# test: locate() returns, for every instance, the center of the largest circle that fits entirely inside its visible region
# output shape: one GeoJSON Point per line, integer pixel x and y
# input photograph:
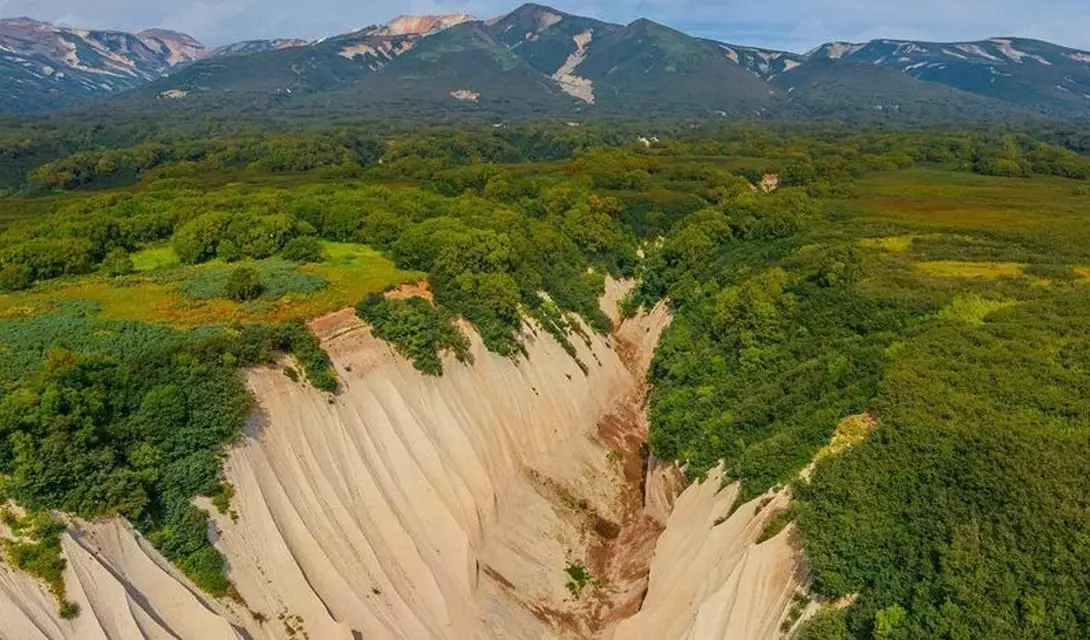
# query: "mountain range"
{"type": "Point", "coordinates": [540, 60]}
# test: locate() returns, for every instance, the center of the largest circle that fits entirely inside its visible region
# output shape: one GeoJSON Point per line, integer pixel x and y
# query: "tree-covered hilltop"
{"type": "Point", "coordinates": [931, 281]}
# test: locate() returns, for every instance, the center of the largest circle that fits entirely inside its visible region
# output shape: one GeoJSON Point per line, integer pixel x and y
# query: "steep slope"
{"type": "Point", "coordinates": [553, 42]}
{"type": "Point", "coordinates": [441, 508]}
{"type": "Point", "coordinates": [712, 576]}
{"type": "Point", "coordinates": [763, 63]}
{"type": "Point", "coordinates": [657, 69]}
{"type": "Point", "coordinates": [124, 589]}
{"type": "Point", "coordinates": [420, 25]}
{"type": "Point", "coordinates": [254, 46]}
{"type": "Point", "coordinates": [46, 66]}
{"type": "Point", "coordinates": [503, 500]}
{"type": "Point", "coordinates": [849, 89]}
{"type": "Point", "coordinates": [462, 66]}
{"type": "Point", "coordinates": [1023, 72]}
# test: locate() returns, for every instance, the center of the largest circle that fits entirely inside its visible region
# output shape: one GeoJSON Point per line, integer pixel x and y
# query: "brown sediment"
{"type": "Point", "coordinates": [421, 289]}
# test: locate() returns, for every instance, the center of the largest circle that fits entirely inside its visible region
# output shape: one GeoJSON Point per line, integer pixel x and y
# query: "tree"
{"type": "Point", "coordinates": [303, 249]}
{"type": "Point", "coordinates": [827, 624]}
{"type": "Point", "coordinates": [118, 263]}
{"type": "Point", "coordinates": [887, 620]}
{"type": "Point", "coordinates": [752, 312]}
{"type": "Point", "coordinates": [15, 277]}
{"type": "Point", "coordinates": [244, 284]}
{"type": "Point", "coordinates": [196, 241]}
{"type": "Point", "coordinates": [228, 251]}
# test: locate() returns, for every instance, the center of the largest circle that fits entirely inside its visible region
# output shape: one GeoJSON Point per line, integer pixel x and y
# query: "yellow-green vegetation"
{"type": "Point", "coordinates": [352, 271]}
{"type": "Point", "coordinates": [986, 270]}
{"type": "Point", "coordinates": [892, 244]}
{"type": "Point", "coordinates": [972, 308]}
{"type": "Point", "coordinates": [154, 258]}
{"type": "Point", "coordinates": [195, 296]}
{"type": "Point", "coordinates": [850, 432]}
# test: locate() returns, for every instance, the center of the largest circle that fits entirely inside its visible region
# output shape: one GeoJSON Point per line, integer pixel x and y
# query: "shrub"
{"type": "Point", "coordinates": [15, 277]}
{"type": "Point", "coordinates": [278, 277]}
{"type": "Point", "coordinates": [418, 329]}
{"type": "Point", "coordinates": [244, 284]}
{"type": "Point", "coordinates": [228, 251]}
{"type": "Point", "coordinates": [117, 263]}
{"type": "Point", "coordinates": [295, 338]}
{"type": "Point", "coordinates": [827, 624]}
{"type": "Point", "coordinates": [1054, 272]}
{"type": "Point", "coordinates": [303, 249]}
{"type": "Point", "coordinates": [38, 552]}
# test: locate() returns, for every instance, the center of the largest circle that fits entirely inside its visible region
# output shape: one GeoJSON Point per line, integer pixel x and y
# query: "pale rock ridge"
{"type": "Point", "coordinates": [177, 48]}
{"type": "Point", "coordinates": [573, 85]}
{"type": "Point", "coordinates": [976, 50]}
{"type": "Point", "coordinates": [838, 50]}
{"type": "Point", "coordinates": [124, 589]}
{"type": "Point", "coordinates": [422, 25]}
{"type": "Point", "coordinates": [465, 95]}
{"type": "Point", "coordinates": [1007, 48]}
{"type": "Point", "coordinates": [377, 51]}
{"type": "Point", "coordinates": [418, 507]}
{"type": "Point", "coordinates": [710, 578]}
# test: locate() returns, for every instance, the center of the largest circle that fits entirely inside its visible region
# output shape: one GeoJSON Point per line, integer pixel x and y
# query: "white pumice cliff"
{"type": "Point", "coordinates": [415, 507]}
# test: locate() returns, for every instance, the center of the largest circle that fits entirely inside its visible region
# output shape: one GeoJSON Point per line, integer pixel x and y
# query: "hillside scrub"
{"type": "Point", "coordinates": [419, 330]}
{"type": "Point", "coordinates": [139, 433]}
{"type": "Point", "coordinates": [35, 547]}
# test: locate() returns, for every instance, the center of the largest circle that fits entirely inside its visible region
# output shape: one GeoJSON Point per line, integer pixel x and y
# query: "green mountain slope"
{"type": "Point", "coordinates": [546, 38]}
{"type": "Point", "coordinates": [657, 69]}
{"type": "Point", "coordinates": [1030, 73]}
{"type": "Point", "coordinates": [461, 68]}
{"type": "Point", "coordinates": [850, 90]}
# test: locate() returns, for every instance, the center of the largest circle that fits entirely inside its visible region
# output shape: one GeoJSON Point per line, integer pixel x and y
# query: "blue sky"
{"type": "Point", "coordinates": [789, 24]}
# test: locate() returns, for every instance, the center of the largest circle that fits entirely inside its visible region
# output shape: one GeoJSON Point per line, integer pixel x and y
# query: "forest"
{"type": "Point", "coordinates": [934, 280]}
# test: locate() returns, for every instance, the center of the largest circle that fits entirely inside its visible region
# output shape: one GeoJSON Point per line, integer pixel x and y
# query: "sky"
{"type": "Point", "coordinates": [796, 25]}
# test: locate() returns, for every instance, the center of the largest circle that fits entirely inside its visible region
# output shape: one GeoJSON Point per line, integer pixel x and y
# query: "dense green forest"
{"type": "Point", "coordinates": [935, 280]}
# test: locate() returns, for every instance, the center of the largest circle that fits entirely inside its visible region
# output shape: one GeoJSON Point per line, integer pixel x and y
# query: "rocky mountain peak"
{"type": "Point", "coordinates": [421, 25]}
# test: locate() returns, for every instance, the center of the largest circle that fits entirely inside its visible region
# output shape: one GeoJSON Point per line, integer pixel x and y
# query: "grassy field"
{"type": "Point", "coordinates": [154, 294]}
{"type": "Point", "coordinates": [154, 258]}
{"type": "Point", "coordinates": [929, 199]}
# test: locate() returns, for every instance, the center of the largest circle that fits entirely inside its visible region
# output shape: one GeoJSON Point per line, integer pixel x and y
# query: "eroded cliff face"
{"type": "Point", "coordinates": [409, 506]}
{"type": "Point", "coordinates": [124, 588]}
{"type": "Point", "coordinates": [418, 507]}
{"type": "Point", "coordinates": [711, 578]}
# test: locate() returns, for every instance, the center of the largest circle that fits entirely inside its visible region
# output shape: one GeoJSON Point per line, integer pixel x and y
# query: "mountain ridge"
{"type": "Point", "coordinates": [582, 63]}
